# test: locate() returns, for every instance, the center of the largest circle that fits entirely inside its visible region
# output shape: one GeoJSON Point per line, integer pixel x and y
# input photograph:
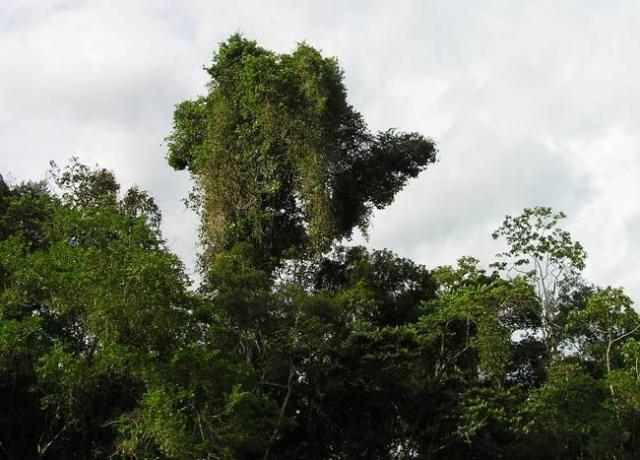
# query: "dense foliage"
{"type": "Point", "coordinates": [295, 346]}
{"type": "Point", "coordinates": [284, 163]}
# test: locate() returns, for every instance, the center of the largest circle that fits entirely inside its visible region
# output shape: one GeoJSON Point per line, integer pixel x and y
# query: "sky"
{"type": "Point", "coordinates": [530, 103]}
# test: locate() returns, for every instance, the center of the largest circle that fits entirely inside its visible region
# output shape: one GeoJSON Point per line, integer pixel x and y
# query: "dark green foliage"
{"type": "Point", "coordinates": [98, 336]}
{"type": "Point", "coordinates": [294, 347]}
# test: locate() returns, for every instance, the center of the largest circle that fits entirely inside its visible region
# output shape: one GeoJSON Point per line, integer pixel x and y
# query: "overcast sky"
{"type": "Point", "coordinates": [531, 103]}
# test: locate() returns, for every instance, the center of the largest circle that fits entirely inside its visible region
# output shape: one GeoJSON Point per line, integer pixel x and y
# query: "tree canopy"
{"type": "Point", "coordinates": [281, 158]}
{"type": "Point", "coordinates": [296, 345]}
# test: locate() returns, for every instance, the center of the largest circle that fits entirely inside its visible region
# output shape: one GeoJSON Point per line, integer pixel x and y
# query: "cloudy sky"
{"type": "Point", "coordinates": [531, 103]}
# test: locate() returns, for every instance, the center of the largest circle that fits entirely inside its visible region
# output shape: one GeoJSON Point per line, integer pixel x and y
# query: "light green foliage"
{"type": "Point", "coordinates": [536, 242]}
{"type": "Point", "coordinates": [281, 158]}
{"type": "Point", "coordinates": [546, 255]}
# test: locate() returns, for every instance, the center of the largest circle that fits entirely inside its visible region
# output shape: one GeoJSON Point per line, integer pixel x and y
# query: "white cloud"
{"type": "Point", "coordinates": [531, 102]}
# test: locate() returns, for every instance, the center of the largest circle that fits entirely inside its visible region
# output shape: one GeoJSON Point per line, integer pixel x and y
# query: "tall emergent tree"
{"type": "Point", "coordinates": [284, 168]}
{"type": "Point", "coordinates": [282, 160]}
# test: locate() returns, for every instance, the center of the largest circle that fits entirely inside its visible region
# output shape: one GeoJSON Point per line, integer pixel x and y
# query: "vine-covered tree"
{"type": "Point", "coordinates": [281, 160]}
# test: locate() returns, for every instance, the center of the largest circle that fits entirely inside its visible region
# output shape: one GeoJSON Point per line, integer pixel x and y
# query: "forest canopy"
{"type": "Point", "coordinates": [296, 345]}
